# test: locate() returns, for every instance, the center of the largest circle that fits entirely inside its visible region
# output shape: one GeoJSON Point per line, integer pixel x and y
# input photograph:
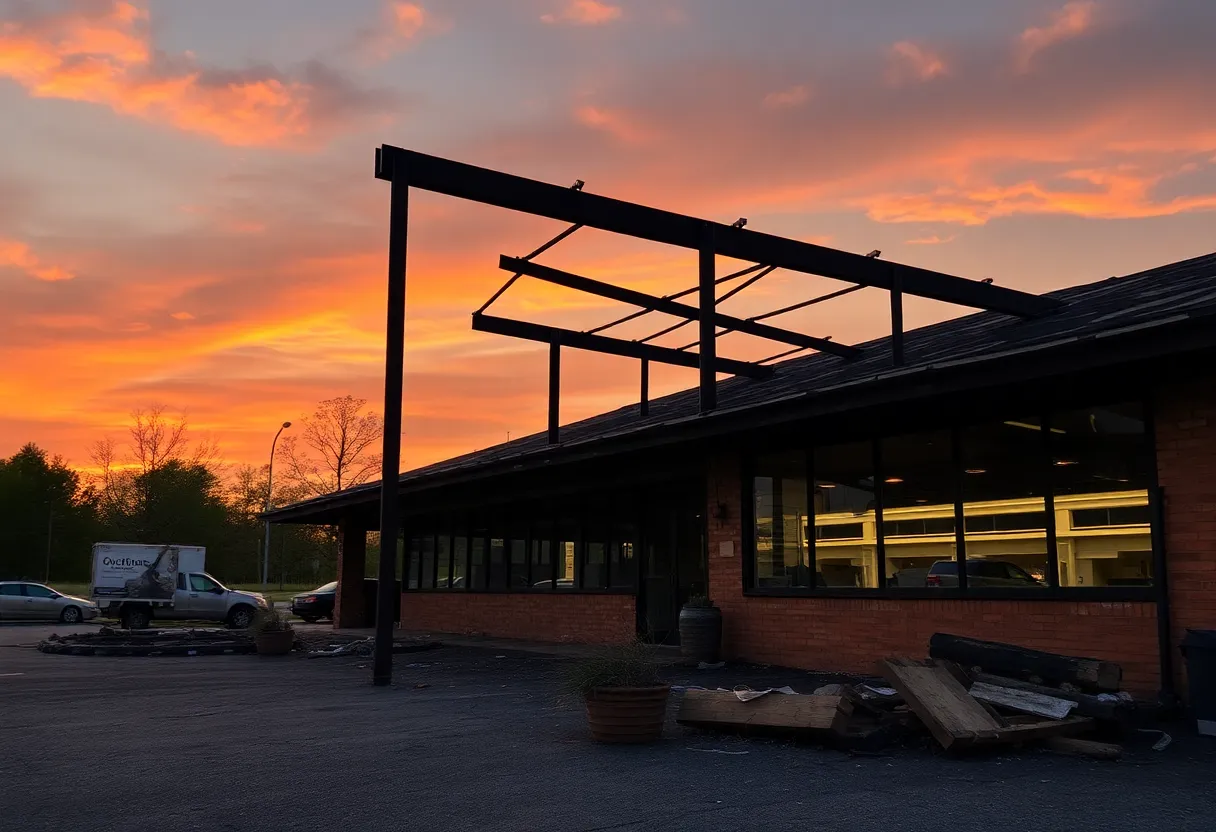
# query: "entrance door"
{"type": "Point", "coordinates": [673, 567]}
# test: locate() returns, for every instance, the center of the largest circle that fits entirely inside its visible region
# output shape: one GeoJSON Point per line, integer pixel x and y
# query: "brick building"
{"type": "Point", "coordinates": [1048, 481]}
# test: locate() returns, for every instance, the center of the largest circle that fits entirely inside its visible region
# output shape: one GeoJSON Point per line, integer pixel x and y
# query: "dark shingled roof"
{"type": "Point", "coordinates": [1179, 292]}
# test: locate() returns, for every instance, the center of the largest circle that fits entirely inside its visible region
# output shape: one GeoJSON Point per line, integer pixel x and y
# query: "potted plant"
{"type": "Point", "coordinates": [272, 633]}
{"type": "Point", "coordinates": [626, 701]}
{"type": "Point", "coordinates": [700, 630]}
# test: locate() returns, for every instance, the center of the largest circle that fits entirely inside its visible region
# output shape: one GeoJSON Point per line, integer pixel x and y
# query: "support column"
{"type": "Point", "coordinates": [390, 466]}
{"type": "Point", "coordinates": [555, 390]}
{"type": "Point", "coordinates": [897, 321]}
{"type": "Point", "coordinates": [708, 328]}
{"type": "Point", "coordinates": [350, 609]}
{"type": "Point", "coordinates": [644, 407]}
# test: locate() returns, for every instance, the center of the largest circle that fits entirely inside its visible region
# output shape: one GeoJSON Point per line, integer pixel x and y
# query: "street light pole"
{"type": "Point", "coordinates": [269, 492]}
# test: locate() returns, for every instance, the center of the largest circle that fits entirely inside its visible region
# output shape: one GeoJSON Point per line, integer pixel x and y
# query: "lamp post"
{"type": "Point", "coordinates": [269, 491]}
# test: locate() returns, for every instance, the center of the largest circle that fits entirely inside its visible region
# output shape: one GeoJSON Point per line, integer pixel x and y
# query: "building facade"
{"type": "Point", "coordinates": [1052, 484]}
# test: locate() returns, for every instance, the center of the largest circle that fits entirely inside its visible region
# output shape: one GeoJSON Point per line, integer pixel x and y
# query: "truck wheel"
{"type": "Point", "coordinates": [241, 618]}
{"type": "Point", "coordinates": [135, 618]}
{"type": "Point", "coordinates": [70, 615]}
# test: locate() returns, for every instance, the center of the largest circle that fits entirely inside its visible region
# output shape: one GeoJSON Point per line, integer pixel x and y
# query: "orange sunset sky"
{"type": "Point", "coordinates": [188, 214]}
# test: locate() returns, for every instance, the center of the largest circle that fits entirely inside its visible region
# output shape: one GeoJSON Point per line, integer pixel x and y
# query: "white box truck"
{"type": "Point", "coordinates": [137, 582]}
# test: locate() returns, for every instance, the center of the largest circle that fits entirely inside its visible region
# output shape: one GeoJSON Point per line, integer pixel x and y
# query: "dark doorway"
{"type": "Point", "coordinates": [673, 567]}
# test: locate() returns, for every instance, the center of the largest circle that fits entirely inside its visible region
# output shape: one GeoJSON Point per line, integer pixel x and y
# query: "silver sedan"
{"type": "Point", "coordinates": [24, 601]}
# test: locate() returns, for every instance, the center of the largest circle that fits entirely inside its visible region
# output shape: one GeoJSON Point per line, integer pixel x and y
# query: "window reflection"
{"type": "Point", "coordinates": [428, 562]}
{"type": "Point", "coordinates": [1101, 471]}
{"type": "Point", "coordinates": [918, 494]}
{"type": "Point", "coordinates": [844, 503]}
{"type": "Point", "coordinates": [1004, 479]}
{"type": "Point", "coordinates": [498, 563]}
{"type": "Point", "coordinates": [443, 547]}
{"type": "Point", "coordinates": [460, 559]}
{"type": "Point", "coordinates": [780, 511]}
{"type": "Point", "coordinates": [477, 560]}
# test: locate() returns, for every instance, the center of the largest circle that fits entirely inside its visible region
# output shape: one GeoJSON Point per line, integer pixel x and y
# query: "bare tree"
{"type": "Point", "coordinates": [339, 450]}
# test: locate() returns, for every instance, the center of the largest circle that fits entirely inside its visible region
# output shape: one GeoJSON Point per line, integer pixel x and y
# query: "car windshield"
{"type": "Point", "coordinates": [944, 567]}
{"type": "Point", "coordinates": [329, 587]}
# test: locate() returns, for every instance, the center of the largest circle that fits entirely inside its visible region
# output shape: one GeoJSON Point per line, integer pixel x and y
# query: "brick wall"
{"type": "Point", "coordinates": [587, 619]}
{"type": "Point", "coordinates": [846, 634]}
{"type": "Point", "coordinates": [1186, 470]}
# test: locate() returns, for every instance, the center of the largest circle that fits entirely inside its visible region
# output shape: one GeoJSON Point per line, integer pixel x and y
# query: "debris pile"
{"type": "Point", "coordinates": [177, 641]}
{"type": "Point", "coordinates": [968, 694]}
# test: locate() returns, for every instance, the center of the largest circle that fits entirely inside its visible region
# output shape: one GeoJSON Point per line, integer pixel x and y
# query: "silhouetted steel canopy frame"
{"type": "Point", "coordinates": [406, 169]}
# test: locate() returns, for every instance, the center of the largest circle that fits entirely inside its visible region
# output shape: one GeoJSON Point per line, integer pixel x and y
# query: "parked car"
{"type": "Point", "coordinates": [25, 601]}
{"type": "Point", "coordinates": [981, 572]}
{"type": "Point", "coordinates": [315, 605]}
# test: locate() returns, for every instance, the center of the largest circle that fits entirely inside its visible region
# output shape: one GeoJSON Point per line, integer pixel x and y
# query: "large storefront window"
{"type": "Point", "coordinates": [1004, 480]}
{"type": "Point", "coordinates": [782, 556]}
{"type": "Point", "coordinates": [844, 510]}
{"type": "Point", "coordinates": [918, 496]}
{"type": "Point", "coordinates": [1101, 471]}
{"type": "Point", "coordinates": [460, 560]}
{"type": "Point", "coordinates": [1025, 503]}
{"type": "Point", "coordinates": [427, 580]}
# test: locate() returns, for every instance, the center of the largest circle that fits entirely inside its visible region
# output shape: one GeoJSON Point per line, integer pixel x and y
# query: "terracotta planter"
{"type": "Point", "coordinates": [275, 643]}
{"type": "Point", "coordinates": [627, 715]}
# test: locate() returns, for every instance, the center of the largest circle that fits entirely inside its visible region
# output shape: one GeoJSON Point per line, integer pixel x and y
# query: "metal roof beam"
{"type": "Point", "coordinates": [611, 346]}
{"type": "Point", "coordinates": [517, 193]}
{"type": "Point", "coordinates": [671, 307]}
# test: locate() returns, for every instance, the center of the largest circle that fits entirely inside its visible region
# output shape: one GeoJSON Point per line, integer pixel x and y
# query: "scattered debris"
{"type": "Point", "coordinates": [1161, 744]}
{"type": "Point", "coordinates": [1117, 708]}
{"type": "Point", "coordinates": [708, 666]}
{"type": "Point", "coordinates": [178, 641]}
{"type": "Point", "coordinates": [1022, 700]}
{"type": "Point", "coordinates": [835, 689]}
{"type": "Point", "coordinates": [1084, 748]}
{"type": "Point", "coordinates": [1010, 660]}
{"type": "Point", "coordinates": [789, 713]}
{"type": "Point", "coordinates": [957, 720]}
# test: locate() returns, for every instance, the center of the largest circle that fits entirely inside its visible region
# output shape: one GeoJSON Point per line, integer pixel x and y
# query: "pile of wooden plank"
{"type": "Point", "coordinates": [968, 694]}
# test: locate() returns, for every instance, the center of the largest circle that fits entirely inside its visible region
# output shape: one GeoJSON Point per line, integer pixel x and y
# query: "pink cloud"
{"type": "Point", "coordinates": [1072, 20]}
{"type": "Point", "coordinates": [402, 25]}
{"type": "Point", "coordinates": [102, 53]}
{"type": "Point", "coordinates": [912, 62]}
{"type": "Point", "coordinates": [619, 124]}
{"type": "Point", "coordinates": [584, 13]}
{"type": "Point", "coordinates": [794, 96]}
{"type": "Point", "coordinates": [931, 240]}
{"type": "Point", "coordinates": [17, 255]}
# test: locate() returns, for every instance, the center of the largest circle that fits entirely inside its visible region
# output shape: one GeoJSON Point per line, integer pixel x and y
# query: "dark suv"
{"type": "Point", "coordinates": [981, 573]}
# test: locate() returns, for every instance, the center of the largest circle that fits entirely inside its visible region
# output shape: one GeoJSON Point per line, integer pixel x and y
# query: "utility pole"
{"type": "Point", "coordinates": [269, 492]}
{"type": "Point", "coordinates": [50, 535]}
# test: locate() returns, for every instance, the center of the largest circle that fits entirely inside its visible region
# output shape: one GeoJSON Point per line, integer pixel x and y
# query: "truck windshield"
{"type": "Point", "coordinates": [203, 582]}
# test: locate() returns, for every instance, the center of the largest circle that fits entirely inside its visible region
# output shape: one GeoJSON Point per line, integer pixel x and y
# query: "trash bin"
{"type": "Point", "coordinates": [1199, 649]}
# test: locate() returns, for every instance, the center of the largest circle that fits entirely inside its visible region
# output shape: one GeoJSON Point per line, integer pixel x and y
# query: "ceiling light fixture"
{"type": "Point", "coordinates": [1013, 423]}
{"type": "Point", "coordinates": [893, 480]}
{"type": "Point", "coordinates": [1062, 462]}
{"type": "Point", "coordinates": [976, 471]}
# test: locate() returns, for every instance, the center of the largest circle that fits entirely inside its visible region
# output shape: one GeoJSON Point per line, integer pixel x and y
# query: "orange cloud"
{"type": "Point", "coordinates": [931, 240]}
{"type": "Point", "coordinates": [103, 54]}
{"type": "Point", "coordinates": [584, 13]}
{"type": "Point", "coordinates": [1096, 194]}
{"type": "Point", "coordinates": [18, 255]}
{"type": "Point", "coordinates": [912, 62]}
{"type": "Point", "coordinates": [794, 96]}
{"type": "Point", "coordinates": [1069, 22]}
{"type": "Point", "coordinates": [402, 24]}
{"type": "Point", "coordinates": [617, 123]}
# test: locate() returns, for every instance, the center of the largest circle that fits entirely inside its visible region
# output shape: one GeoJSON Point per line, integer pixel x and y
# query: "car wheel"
{"type": "Point", "coordinates": [70, 615]}
{"type": "Point", "coordinates": [241, 618]}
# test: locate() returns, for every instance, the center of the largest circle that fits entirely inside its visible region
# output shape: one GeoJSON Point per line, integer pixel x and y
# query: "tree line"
{"type": "Point", "coordinates": [162, 485]}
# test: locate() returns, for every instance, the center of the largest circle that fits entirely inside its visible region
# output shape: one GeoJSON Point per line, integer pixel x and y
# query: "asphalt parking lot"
{"type": "Point", "coordinates": [472, 738]}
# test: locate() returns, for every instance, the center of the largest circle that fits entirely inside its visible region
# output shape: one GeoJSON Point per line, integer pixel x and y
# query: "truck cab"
{"type": "Point", "coordinates": [200, 597]}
